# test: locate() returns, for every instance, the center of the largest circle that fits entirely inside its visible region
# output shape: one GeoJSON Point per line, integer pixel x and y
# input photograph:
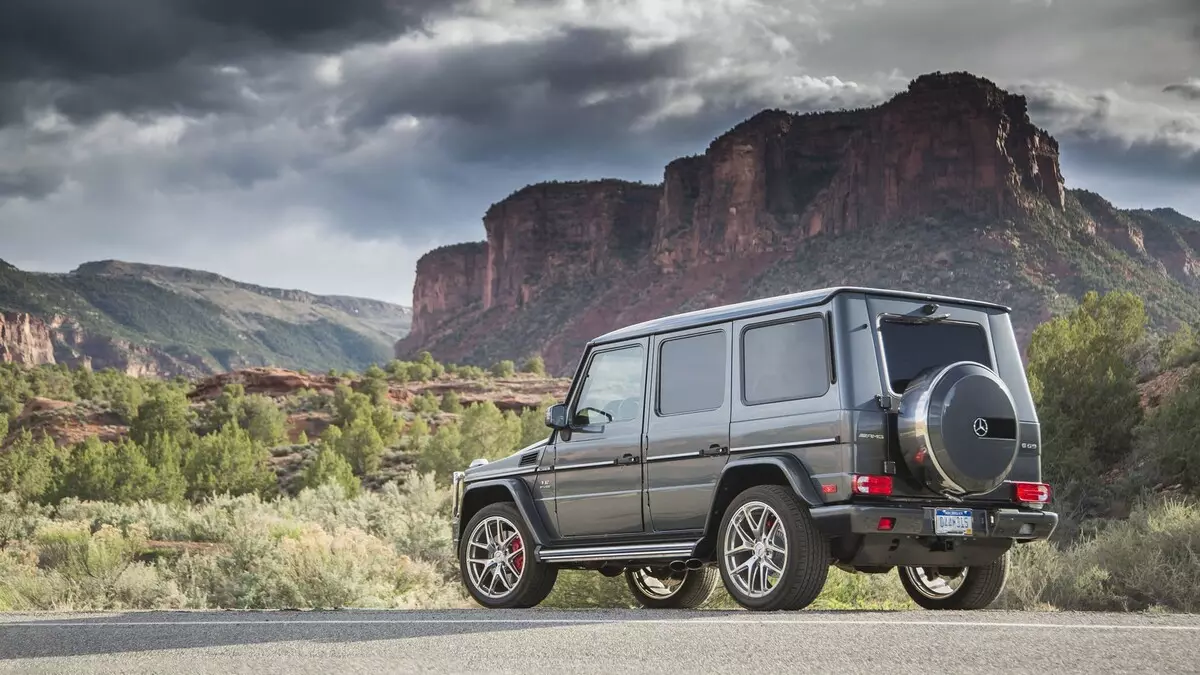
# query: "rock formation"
{"type": "Point", "coordinates": [24, 339]}
{"type": "Point", "coordinates": [569, 260]}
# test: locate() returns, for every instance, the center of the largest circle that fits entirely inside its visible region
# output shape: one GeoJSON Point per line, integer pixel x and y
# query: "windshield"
{"type": "Point", "coordinates": [910, 348]}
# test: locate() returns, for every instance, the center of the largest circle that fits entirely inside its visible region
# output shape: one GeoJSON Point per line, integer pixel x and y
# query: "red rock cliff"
{"type": "Point", "coordinates": [449, 280]}
{"type": "Point", "coordinates": [951, 145]}
{"type": "Point", "coordinates": [24, 339]}
{"type": "Point", "coordinates": [552, 232]}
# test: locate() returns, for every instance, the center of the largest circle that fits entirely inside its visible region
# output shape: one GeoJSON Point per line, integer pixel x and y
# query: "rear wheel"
{"type": "Point", "coordinates": [957, 587]}
{"type": "Point", "coordinates": [496, 564]}
{"type": "Point", "coordinates": [664, 588]}
{"type": "Point", "coordinates": [772, 556]}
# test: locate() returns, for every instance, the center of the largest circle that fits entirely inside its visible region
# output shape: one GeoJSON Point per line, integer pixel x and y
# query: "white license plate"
{"type": "Point", "coordinates": [953, 521]}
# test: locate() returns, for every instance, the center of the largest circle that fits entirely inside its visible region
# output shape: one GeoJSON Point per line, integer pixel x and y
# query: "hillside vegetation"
{"type": "Point", "coordinates": [277, 489]}
{"type": "Point", "coordinates": [193, 322]}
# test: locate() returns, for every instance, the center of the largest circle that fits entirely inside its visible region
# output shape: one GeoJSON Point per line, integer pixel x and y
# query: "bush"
{"type": "Point", "coordinates": [27, 468]}
{"type": "Point", "coordinates": [164, 412]}
{"type": "Point", "coordinates": [535, 365]}
{"type": "Point", "coordinates": [1168, 436]}
{"type": "Point", "coordinates": [504, 368]}
{"type": "Point", "coordinates": [330, 467]}
{"type": "Point", "coordinates": [451, 403]}
{"type": "Point", "coordinates": [228, 461]}
{"type": "Point", "coordinates": [1084, 382]}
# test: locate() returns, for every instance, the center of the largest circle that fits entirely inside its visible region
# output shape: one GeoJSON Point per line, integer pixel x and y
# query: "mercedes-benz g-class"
{"type": "Point", "coordinates": [760, 443]}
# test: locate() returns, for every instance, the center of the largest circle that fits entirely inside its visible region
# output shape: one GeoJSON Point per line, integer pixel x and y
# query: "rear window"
{"type": "Point", "coordinates": [911, 348]}
{"type": "Point", "coordinates": [785, 361]}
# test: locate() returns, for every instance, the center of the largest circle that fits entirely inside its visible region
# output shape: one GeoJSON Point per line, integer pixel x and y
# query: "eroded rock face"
{"type": "Point", "coordinates": [450, 280]}
{"type": "Point", "coordinates": [951, 146]}
{"type": "Point", "coordinates": [552, 232]}
{"type": "Point", "coordinates": [25, 339]}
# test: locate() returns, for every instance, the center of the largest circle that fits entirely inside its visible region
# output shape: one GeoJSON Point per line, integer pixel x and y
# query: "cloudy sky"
{"type": "Point", "coordinates": [325, 145]}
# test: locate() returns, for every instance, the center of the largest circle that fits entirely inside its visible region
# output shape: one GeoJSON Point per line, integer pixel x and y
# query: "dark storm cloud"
{"type": "Point", "coordinates": [149, 55]}
{"type": "Point", "coordinates": [29, 183]}
{"type": "Point", "coordinates": [1189, 90]}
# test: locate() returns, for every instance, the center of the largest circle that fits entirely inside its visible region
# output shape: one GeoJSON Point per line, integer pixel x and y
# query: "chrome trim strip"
{"type": "Point", "coordinates": [585, 465]}
{"type": "Point", "coordinates": [678, 455]}
{"type": "Point", "coordinates": [627, 552]}
{"type": "Point", "coordinates": [790, 444]}
{"type": "Point", "coordinates": [501, 474]}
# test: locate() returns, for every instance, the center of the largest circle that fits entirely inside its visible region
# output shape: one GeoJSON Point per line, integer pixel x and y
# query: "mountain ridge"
{"type": "Point", "coordinates": [160, 320]}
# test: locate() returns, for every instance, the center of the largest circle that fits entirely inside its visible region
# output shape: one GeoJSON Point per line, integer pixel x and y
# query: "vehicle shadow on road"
{"type": "Point", "coordinates": [48, 636]}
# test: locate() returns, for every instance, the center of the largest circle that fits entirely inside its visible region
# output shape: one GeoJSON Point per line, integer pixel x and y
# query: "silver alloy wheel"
{"type": "Point", "coordinates": [930, 583]}
{"type": "Point", "coordinates": [755, 552]}
{"type": "Point", "coordinates": [495, 557]}
{"type": "Point", "coordinates": [659, 588]}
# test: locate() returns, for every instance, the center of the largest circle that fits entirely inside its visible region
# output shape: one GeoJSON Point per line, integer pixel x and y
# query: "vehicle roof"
{"type": "Point", "coordinates": [778, 303]}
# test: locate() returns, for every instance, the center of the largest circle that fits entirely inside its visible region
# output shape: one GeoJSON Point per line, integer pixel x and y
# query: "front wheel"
{"type": "Point", "coordinates": [955, 588]}
{"type": "Point", "coordinates": [664, 588]}
{"type": "Point", "coordinates": [773, 557]}
{"type": "Point", "coordinates": [496, 563]}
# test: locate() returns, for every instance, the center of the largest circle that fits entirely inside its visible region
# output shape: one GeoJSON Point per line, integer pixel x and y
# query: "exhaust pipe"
{"type": "Point", "coordinates": [678, 566]}
{"type": "Point", "coordinates": [694, 563]}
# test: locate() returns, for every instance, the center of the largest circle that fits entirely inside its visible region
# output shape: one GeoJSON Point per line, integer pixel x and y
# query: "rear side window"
{"type": "Point", "coordinates": [785, 361]}
{"type": "Point", "coordinates": [910, 348]}
{"type": "Point", "coordinates": [691, 374]}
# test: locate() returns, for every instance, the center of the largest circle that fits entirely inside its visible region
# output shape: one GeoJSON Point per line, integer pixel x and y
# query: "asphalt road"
{"type": "Point", "coordinates": [598, 642]}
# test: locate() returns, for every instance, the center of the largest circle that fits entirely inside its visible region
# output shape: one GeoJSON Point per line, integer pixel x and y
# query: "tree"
{"type": "Point", "coordinates": [1084, 382]}
{"type": "Point", "coordinates": [1179, 348]}
{"type": "Point", "coordinates": [504, 368]}
{"type": "Point", "coordinates": [263, 419]}
{"type": "Point", "coordinates": [533, 423]}
{"type": "Point", "coordinates": [165, 455]}
{"type": "Point", "coordinates": [442, 455]}
{"type": "Point", "coordinates": [489, 433]}
{"type": "Point", "coordinates": [330, 467]}
{"type": "Point", "coordinates": [375, 388]}
{"type": "Point", "coordinates": [27, 466]}
{"type": "Point", "coordinates": [451, 403]}
{"type": "Point", "coordinates": [228, 461]}
{"type": "Point", "coordinates": [362, 446]}
{"type": "Point", "coordinates": [534, 365]}
{"type": "Point", "coordinates": [164, 412]}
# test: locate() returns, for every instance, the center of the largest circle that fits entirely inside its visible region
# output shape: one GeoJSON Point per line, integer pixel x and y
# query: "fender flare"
{"type": "Point", "coordinates": [798, 477]}
{"type": "Point", "coordinates": [518, 490]}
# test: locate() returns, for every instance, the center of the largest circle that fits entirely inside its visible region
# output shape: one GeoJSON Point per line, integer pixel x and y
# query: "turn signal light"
{"type": "Point", "coordinates": [1032, 493]}
{"type": "Point", "coordinates": [872, 485]}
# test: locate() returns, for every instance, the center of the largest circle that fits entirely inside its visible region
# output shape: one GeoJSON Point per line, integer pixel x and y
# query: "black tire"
{"type": "Point", "coordinates": [980, 587]}
{"type": "Point", "coordinates": [696, 588]}
{"type": "Point", "coordinates": [536, 579]}
{"type": "Point", "coordinates": [807, 565]}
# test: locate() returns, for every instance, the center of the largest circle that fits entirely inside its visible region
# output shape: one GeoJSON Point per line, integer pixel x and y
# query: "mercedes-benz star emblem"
{"type": "Point", "coordinates": [980, 427]}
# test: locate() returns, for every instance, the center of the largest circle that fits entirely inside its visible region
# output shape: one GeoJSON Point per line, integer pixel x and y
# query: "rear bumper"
{"type": "Point", "coordinates": [918, 521]}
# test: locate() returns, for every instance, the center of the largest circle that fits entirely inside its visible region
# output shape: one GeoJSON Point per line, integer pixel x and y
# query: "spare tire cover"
{"type": "Point", "coordinates": [958, 429]}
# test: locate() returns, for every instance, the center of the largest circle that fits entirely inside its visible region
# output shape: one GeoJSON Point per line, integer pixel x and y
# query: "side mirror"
{"type": "Point", "coordinates": [556, 416]}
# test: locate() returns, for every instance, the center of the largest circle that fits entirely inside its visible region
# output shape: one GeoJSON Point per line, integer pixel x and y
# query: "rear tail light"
{"type": "Point", "coordinates": [872, 485]}
{"type": "Point", "coordinates": [886, 524]}
{"type": "Point", "coordinates": [1031, 493]}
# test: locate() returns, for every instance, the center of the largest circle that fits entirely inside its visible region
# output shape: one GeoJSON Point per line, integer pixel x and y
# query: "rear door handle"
{"type": "Point", "coordinates": [714, 450]}
{"type": "Point", "coordinates": [627, 458]}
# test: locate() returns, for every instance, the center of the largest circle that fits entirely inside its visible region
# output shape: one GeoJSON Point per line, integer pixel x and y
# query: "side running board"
{"type": "Point", "coordinates": [626, 552]}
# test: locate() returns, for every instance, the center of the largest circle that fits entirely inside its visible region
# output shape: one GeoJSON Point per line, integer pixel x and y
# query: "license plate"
{"type": "Point", "coordinates": [953, 521]}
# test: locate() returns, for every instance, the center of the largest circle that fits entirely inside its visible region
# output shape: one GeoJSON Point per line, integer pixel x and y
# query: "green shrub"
{"type": "Point", "coordinates": [27, 467]}
{"type": "Point", "coordinates": [535, 365]}
{"type": "Point", "coordinates": [504, 368]}
{"type": "Point", "coordinates": [1168, 436]}
{"type": "Point", "coordinates": [331, 467]}
{"type": "Point", "coordinates": [1084, 382]}
{"type": "Point", "coordinates": [425, 404]}
{"type": "Point", "coordinates": [164, 412]}
{"type": "Point", "coordinates": [451, 403]}
{"type": "Point", "coordinates": [228, 461]}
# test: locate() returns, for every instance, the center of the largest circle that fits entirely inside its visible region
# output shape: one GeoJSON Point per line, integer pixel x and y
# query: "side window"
{"type": "Point", "coordinates": [785, 361]}
{"type": "Point", "coordinates": [612, 388]}
{"type": "Point", "coordinates": [691, 374]}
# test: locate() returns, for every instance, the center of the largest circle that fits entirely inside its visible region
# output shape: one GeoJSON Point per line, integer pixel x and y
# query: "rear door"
{"type": "Point", "coordinates": [687, 425]}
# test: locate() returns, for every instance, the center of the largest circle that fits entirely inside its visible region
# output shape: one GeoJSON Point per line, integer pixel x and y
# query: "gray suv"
{"type": "Point", "coordinates": [764, 441]}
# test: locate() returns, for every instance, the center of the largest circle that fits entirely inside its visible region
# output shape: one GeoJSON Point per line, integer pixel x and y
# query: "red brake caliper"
{"type": "Point", "coordinates": [519, 559]}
